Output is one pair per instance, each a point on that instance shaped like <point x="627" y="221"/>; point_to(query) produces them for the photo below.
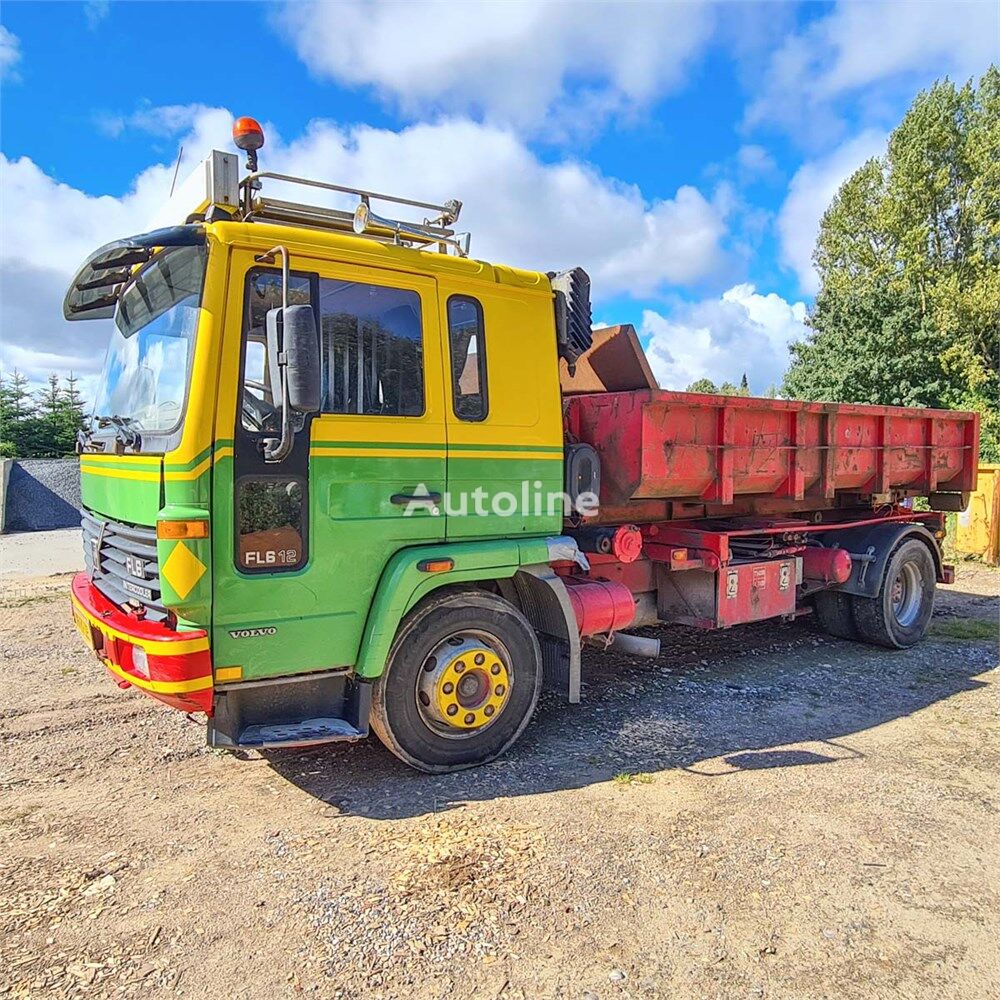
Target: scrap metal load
<point x="666" y="455"/>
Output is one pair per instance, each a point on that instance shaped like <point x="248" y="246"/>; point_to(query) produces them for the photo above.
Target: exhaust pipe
<point x="634" y="645"/>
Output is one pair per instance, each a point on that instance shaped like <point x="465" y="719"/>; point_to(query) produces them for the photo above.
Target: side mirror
<point x="293" y="357"/>
<point x="302" y="358"/>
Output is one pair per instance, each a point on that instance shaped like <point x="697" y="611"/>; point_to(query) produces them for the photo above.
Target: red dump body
<point x="676" y="454"/>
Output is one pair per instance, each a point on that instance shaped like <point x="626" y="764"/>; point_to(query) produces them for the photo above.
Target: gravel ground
<point x="758" y="813"/>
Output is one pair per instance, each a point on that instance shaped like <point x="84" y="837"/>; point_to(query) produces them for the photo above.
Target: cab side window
<point x="372" y="347"/>
<point x="271" y="515"/>
<point x="467" y="349"/>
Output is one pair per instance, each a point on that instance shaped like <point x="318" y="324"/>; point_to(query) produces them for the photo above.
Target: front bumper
<point x="178" y="667"/>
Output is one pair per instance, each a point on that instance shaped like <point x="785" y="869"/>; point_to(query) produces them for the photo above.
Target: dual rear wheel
<point x="898" y="615"/>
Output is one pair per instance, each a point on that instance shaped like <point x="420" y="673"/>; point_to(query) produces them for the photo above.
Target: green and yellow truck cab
<point x="289" y="393"/>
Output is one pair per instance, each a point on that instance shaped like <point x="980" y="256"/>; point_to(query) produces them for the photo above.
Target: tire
<point x="898" y="615"/>
<point x="483" y="644"/>
<point x="835" y="614"/>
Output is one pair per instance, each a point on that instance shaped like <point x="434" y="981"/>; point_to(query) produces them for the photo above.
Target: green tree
<point x="74" y="397"/>
<point x="875" y="347"/>
<point x="703" y="385"/>
<point x="909" y="260"/>
<point x="16" y="408"/>
<point x="43" y="425"/>
<point x="726" y="389"/>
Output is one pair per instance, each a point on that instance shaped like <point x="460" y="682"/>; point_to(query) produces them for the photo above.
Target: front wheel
<point x="898" y="615"/>
<point x="461" y="683"/>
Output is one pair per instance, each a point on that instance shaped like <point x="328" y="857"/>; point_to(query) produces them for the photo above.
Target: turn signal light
<point x="436" y="565"/>
<point x="181" y="529"/>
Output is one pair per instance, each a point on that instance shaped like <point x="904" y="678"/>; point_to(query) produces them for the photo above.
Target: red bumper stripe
<point x="178" y="667"/>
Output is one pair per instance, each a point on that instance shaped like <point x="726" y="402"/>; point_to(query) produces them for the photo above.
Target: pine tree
<point x="16" y="409"/>
<point x="43" y="425"/>
<point x="74" y="397"/>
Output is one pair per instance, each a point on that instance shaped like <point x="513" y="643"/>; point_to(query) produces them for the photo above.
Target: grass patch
<point x="965" y="628"/>
<point x="626" y="779"/>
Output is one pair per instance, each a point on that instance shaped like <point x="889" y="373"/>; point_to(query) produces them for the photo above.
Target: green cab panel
<point x="405" y="584"/>
<point x="312" y="618"/>
<point x="122" y="487"/>
<point x="516" y="485"/>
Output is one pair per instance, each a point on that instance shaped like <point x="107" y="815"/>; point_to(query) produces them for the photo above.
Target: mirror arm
<point x="277" y="449"/>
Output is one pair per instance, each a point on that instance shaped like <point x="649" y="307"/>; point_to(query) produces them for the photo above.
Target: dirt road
<point x="758" y="814"/>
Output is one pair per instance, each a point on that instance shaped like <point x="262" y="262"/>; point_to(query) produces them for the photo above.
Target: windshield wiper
<point x="123" y="429"/>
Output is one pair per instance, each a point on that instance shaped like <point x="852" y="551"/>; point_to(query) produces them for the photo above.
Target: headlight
<point x="140" y="662"/>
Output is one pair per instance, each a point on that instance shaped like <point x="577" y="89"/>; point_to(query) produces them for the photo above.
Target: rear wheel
<point x="462" y="682"/>
<point x="834" y="614"/>
<point x="898" y="615"/>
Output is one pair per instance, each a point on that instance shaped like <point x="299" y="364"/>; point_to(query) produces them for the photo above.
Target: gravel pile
<point x="43" y="494"/>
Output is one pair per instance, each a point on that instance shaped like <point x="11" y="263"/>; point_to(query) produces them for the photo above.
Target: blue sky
<point x="683" y="153"/>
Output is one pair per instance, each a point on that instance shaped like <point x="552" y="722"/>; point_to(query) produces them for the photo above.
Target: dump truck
<point x="340" y="474"/>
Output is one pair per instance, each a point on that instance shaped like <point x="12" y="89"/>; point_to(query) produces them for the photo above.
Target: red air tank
<point x="600" y="605"/>
<point x="826" y="565"/>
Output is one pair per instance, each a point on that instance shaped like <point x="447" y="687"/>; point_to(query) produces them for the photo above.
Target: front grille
<point x="126" y="567"/>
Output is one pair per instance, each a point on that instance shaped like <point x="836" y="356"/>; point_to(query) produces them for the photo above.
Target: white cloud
<point x="721" y="339"/>
<point x="858" y="49"/>
<point x="513" y="62"/>
<point x="96" y="11"/>
<point x="809" y="195"/>
<point x="521" y="211"/>
<point x="755" y="162"/>
<point x="53" y="230"/>
<point x="10" y="55"/>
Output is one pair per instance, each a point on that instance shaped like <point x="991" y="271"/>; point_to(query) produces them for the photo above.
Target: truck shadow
<point x="714" y="704"/>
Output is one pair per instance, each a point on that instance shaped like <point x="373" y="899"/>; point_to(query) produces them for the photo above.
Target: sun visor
<point x="93" y="292"/>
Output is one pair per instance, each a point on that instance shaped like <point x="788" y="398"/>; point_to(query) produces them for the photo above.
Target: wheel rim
<point x="464" y="684"/>
<point x="907" y="594"/>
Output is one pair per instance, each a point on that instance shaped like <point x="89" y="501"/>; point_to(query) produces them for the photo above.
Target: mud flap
<point x="542" y="598"/>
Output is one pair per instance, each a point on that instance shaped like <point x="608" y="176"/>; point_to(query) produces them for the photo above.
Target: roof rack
<point x="433" y="231"/>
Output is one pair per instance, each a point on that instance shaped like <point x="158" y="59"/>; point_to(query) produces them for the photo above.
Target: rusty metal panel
<point x="737" y="593"/>
<point x="751" y="592"/>
<point x="660" y="445"/>
<point x="614" y="362"/>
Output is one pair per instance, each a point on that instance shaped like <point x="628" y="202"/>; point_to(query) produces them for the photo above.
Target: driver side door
<point x="308" y="537"/>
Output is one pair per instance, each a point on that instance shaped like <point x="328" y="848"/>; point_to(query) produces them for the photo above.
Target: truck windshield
<point x="144" y="383"/>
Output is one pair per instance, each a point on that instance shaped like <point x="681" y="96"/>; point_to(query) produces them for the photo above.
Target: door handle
<point x="430" y="500"/>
